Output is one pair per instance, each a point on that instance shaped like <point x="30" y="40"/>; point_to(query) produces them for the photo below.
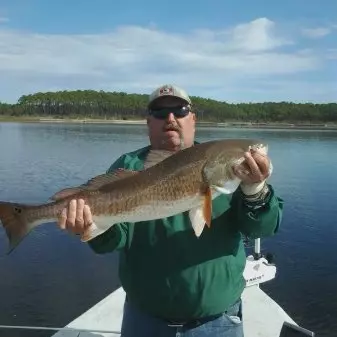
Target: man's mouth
<point x="171" y="128"/>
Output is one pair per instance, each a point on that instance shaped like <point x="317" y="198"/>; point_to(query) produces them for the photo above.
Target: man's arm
<point x="260" y="217"/>
<point x="256" y="210"/>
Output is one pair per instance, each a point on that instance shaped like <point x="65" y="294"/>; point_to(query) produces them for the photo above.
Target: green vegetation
<point x="91" y="104"/>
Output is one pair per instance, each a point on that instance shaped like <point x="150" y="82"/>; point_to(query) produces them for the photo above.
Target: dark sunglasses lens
<point x="163" y="113"/>
<point x="160" y="113"/>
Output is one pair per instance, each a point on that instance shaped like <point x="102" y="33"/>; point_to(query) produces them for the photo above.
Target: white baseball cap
<point x="169" y="90"/>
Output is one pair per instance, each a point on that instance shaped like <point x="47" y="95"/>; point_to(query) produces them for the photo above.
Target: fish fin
<point x="228" y="187"/>
<point x="156" y="156"/>
<point x="106" y="178"/>
<point x="201" y="215"/>
<point x="14" y="221"/>
<point x="66" y="192"/>
<point x="124" y="173"/>
<point x="197" y="219"/>
<point x="207" y="209"/>
<point x="91" y="232"/>
<point x="94" y="183"/>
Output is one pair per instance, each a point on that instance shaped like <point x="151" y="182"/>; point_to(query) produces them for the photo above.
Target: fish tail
<point x="13" y="217"/>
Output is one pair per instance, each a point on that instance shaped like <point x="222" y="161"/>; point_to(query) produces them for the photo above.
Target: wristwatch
<point x="259" y="196"/>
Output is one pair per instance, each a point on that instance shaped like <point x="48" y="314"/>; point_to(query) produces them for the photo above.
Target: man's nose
<point x="170" y="117"/>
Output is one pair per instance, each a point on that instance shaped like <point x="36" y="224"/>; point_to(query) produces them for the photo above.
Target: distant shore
<point x="228" y="124"/>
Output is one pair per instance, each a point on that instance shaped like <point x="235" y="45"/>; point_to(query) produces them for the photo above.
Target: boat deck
<point x="263" y="317"/>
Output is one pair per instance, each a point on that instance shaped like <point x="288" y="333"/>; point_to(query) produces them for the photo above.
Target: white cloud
<point x="315" y="33"/>
<point x="257" y="35"/>
<point x="3" y="19"/>
<point x="136" y="59"/>
<point x="332" y="54"/>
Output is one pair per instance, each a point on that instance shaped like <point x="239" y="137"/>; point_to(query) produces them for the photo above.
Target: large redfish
<point x="188" y="180"/>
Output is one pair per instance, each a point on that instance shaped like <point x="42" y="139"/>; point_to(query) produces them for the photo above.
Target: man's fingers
<point x="79" y="221"/>
<point x="63" y="218"/>
<point x="76" y="217"/>
<point x="254" y="169"/>
<point x="262" y="161"/>
<point x="71" y="213"/>
<point x="87" y="216"/>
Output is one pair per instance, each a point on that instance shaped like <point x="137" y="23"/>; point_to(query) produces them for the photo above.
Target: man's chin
<point x="172" y="142"/>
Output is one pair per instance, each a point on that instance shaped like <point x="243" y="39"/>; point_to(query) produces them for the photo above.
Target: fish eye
<point x="17" y="210"/>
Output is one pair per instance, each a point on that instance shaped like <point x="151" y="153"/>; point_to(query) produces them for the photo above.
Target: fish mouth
<point x="262" y="148"/>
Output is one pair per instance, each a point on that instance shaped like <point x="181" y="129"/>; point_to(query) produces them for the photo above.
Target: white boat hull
<point x="262" y="316"/>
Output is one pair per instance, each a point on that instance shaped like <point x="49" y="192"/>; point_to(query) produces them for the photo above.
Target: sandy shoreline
<point x="250" y="125"/>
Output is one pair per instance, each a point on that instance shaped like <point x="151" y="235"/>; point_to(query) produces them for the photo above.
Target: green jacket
<point x="169" y="272"/>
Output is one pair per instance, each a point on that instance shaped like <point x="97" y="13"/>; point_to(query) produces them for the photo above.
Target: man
<point x="175" y="283"/>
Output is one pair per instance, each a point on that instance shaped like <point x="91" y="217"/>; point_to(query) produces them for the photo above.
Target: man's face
<point x="169" y="132"/>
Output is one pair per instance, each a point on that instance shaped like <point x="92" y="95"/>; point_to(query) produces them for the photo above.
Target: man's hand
<point x="255" y="169"/>
<point x="253" y="172"/>
<point x="76" y="217"/>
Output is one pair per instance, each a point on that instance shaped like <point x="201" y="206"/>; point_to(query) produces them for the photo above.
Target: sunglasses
<point x="162" y="113"/>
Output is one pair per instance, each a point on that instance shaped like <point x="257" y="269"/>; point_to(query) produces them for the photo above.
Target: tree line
<point x="120" y="105"/>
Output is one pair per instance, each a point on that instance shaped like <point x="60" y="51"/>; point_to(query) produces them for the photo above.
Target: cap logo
<point x="166" y="91"/>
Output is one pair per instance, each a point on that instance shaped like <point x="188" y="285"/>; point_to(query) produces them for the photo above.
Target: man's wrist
<point x="252" y="189"/>
<point x="255" y="193"/>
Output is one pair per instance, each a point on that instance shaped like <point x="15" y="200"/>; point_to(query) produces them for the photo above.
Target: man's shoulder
<point x="138" y="153"/>
<point x="132" y="160"/>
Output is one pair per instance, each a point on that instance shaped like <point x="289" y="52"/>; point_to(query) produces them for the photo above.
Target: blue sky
<point x="235" y="51"/>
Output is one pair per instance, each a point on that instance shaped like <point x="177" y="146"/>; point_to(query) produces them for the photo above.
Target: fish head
<point x="224" y="156"/>
<point x="259" y="146"/>
<point x="231" y="151"/>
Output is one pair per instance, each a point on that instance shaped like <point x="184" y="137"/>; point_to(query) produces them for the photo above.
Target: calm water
<point x="52" y="277"/>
